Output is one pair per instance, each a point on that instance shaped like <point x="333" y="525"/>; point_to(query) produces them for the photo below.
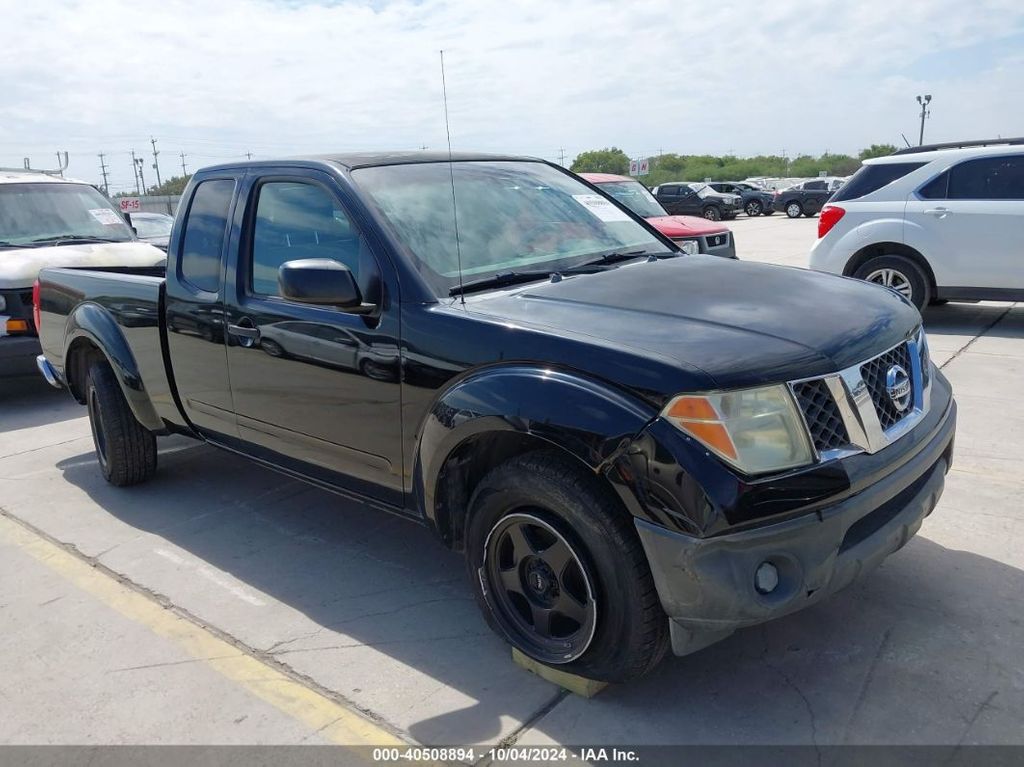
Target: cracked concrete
<point x="370" y="610"/>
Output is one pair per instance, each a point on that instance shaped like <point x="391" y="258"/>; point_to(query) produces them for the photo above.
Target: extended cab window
<point x="205" y="230"/>
<point x="811" y="186"/>
<point x="988" y="178"/>
<point x="296" y="220"/>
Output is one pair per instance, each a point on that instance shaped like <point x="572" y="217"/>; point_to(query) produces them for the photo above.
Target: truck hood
<point x="741" y="323"/>
<point x="686" y="226"/>
<point x="19" y="267"/>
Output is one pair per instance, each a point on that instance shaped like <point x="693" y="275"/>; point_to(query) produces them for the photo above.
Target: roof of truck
<point x="34" y="177"/>
<point x="352" y="160"/>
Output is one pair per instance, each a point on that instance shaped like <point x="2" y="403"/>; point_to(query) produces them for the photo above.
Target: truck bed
<point x="77" y="303"/>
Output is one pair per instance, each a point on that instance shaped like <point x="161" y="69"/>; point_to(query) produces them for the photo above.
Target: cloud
<point x="218" y="79"/>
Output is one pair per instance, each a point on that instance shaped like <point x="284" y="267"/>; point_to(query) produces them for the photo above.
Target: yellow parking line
<point x="330" y="719"/>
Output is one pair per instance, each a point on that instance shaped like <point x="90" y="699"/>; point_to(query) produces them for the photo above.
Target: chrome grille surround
<point x="869" y="424"/>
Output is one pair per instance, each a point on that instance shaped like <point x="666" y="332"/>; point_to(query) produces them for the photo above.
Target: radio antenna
<point x="451" y="176"/>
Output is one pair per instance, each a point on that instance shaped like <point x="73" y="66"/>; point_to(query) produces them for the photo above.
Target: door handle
<point x="245" y="330"/>
<point x="937" y="212"/>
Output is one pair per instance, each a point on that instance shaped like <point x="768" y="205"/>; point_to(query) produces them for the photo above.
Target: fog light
<point x="766" y="578"/>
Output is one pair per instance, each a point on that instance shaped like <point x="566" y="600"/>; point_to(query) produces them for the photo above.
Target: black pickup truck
<point x="633" y="447"/>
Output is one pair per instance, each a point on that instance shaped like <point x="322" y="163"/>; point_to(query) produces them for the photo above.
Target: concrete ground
<point x="223" y="603"/>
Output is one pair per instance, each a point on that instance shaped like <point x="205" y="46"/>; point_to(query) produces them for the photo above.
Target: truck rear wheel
<point x="126" y="451"/>
<point x="559" y="571"/>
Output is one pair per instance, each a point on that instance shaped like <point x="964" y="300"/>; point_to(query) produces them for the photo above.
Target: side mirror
<point x="322" y="281"/>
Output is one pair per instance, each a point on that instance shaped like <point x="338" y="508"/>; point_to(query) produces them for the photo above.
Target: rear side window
<point x="936" y="188"/>
<point x="988" y="178"/>
<point x="813" y="186"/>
<point x="205" y="230"/>
<point x="871" y="178"/>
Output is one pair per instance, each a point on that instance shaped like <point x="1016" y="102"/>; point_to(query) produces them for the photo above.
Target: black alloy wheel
<point x="543" y="591"/>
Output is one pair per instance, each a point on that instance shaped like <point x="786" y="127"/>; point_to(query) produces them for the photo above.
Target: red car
<point x="707" y="236"/>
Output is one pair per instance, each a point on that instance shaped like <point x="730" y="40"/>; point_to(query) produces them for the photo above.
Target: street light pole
<point x="925" y="112"/>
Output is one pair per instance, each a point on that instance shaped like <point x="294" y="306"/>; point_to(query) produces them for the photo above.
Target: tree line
<point x="692" y="167"/>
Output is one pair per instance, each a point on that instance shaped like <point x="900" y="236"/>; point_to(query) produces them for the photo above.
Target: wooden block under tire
<point x="578" y="685"/>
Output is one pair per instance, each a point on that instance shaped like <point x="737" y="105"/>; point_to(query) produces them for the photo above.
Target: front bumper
<point x="18" y="356"/>
<point x="707" y="586"/>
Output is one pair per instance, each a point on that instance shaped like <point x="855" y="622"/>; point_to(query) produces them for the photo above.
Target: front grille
<point x="822" y="415"/>
<point x="874" y="372"/>
<point x="717" y="240"/>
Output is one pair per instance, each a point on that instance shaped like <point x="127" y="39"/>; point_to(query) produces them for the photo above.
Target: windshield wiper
<point x="499" y="281"/>
<point x="70" y="239"/>
<point x="625" y="255"/>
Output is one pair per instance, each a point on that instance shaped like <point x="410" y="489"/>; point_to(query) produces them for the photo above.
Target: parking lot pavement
<point x="369" y="610"/>
<point x="774" y="239"/>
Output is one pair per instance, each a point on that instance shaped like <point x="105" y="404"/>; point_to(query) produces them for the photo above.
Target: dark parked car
<point x="634" y="448"/>
<point x="696" y="199"/>
<point x="754" y="200"/>
<point x="806" y="198"/>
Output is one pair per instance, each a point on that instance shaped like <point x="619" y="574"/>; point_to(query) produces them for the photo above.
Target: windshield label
<point x="106" y="216"/>
<point x="600" y="207"/>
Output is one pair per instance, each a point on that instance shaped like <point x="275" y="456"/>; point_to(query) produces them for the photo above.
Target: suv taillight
<point x="36" y="314"/>
<point x="828" y="218"/>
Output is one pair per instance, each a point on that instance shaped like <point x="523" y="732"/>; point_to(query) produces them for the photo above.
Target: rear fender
<point x="92" y="323"/>
<point x="586" y="418"/>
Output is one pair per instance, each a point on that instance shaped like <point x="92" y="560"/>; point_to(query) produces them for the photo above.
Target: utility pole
<point x="142" y="176"/>
<point x="184" y="173"/>
<point x="156" y="163"/>
<point x="561" y="157"/>
<point x="103" y="170"/>
<point x="925" y="112"/>
<point x="135" y="170"/>
<point x="248" y="155"/>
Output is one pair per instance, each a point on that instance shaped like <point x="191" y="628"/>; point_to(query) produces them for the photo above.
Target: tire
<point x="899" y="273"/>
<point x="794" y="209"/>
<point x="768" y="212"/>
<point x="753" y="208"/>
<point x="619" y="631"/>
<point x="712" y="213"/>
<point x="126" y="451"/>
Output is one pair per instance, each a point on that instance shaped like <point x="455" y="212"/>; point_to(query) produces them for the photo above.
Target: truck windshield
<point x="512" y="216"/>
<point x="36" y="213"/>
<point x="635" y="197"/>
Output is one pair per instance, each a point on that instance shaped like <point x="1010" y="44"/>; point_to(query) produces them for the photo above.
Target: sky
<point x="216" y="80"/>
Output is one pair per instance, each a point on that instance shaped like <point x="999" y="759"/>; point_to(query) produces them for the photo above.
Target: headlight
<point x="690" y="247"/>
<point x="3" y="303"/>
<point x="755" y="430"/>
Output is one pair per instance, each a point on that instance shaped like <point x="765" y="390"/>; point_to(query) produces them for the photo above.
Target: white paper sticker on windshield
<point x="601" y="207"/>
<point x="106" y="216"/>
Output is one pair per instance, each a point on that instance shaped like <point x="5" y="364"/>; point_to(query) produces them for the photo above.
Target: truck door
<point x="195" y="308"/>
<point x="815" y="194"/>
<point x="315" y="389"/>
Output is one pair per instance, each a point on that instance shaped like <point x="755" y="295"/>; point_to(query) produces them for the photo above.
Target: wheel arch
<point x="91" y="334"/>
<point x="862" y="256"/>
<point x="487" y="419"/>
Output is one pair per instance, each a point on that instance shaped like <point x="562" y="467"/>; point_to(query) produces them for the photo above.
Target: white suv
<point x="936" y="223"/>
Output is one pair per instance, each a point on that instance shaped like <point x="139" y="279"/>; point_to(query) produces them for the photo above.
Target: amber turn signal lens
<point x="17" y="326"/>
<point x="693" y="407"/>
<point x="698" y="418"/>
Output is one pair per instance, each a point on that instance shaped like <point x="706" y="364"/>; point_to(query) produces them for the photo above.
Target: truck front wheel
<point x="125" y="450"/>
<point x="559" y="572"/>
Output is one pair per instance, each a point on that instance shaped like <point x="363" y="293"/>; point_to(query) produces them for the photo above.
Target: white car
<point x="51" y="221"/>
<point x="935" y="223"/>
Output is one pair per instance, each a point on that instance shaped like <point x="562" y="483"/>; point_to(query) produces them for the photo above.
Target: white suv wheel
<point x="894" y="279"/>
